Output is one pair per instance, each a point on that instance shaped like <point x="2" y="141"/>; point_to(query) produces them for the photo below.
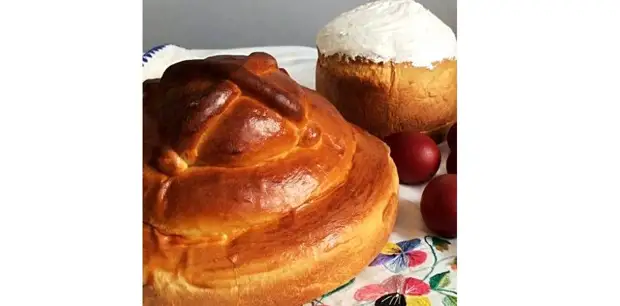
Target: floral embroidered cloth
<point x="419" y="271"/>
<point x="415" y="268"/>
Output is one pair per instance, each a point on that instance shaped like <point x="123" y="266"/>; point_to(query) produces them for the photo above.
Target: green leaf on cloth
<point x="449" y="300"/>
<point x="440" y="280"/>
<point x="440" y="244"/>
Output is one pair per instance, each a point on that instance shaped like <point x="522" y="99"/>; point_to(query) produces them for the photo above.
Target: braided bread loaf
<point x="256" y="190"/>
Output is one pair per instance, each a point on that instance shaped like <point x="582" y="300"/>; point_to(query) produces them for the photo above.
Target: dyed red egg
<point x="416" y="156"/>
<point x="438" y="205"/>
<point x="451" y="137"/>
<point x="451" y="163"/>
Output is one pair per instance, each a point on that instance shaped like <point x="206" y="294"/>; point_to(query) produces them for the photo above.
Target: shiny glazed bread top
<point x="232" y="142"/>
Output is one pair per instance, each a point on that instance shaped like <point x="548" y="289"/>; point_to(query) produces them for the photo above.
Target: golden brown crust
<point x="256" y="190"/>
<point x="386" y="98"/>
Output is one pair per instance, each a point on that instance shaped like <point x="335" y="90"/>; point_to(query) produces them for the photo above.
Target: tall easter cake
<point x="390" y="66"/>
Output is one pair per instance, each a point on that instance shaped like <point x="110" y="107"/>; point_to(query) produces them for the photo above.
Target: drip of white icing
<point x="389" y="30"/>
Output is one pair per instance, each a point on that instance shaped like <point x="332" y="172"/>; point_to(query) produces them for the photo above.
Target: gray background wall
<point x="217" y="24"/>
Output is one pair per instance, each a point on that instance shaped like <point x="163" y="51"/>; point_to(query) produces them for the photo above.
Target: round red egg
<point x="416" y="156"/>
<point x="451" y="137"/>
<point x="438" y="205"/>
<point x="451" y="163"/>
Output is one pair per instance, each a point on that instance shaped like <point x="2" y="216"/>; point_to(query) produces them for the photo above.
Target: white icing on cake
<point x="389" y="30"/>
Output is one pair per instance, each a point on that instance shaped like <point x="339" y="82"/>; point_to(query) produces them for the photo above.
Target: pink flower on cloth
<point x="396" y="257"/>
<point x="397" y="290"/>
